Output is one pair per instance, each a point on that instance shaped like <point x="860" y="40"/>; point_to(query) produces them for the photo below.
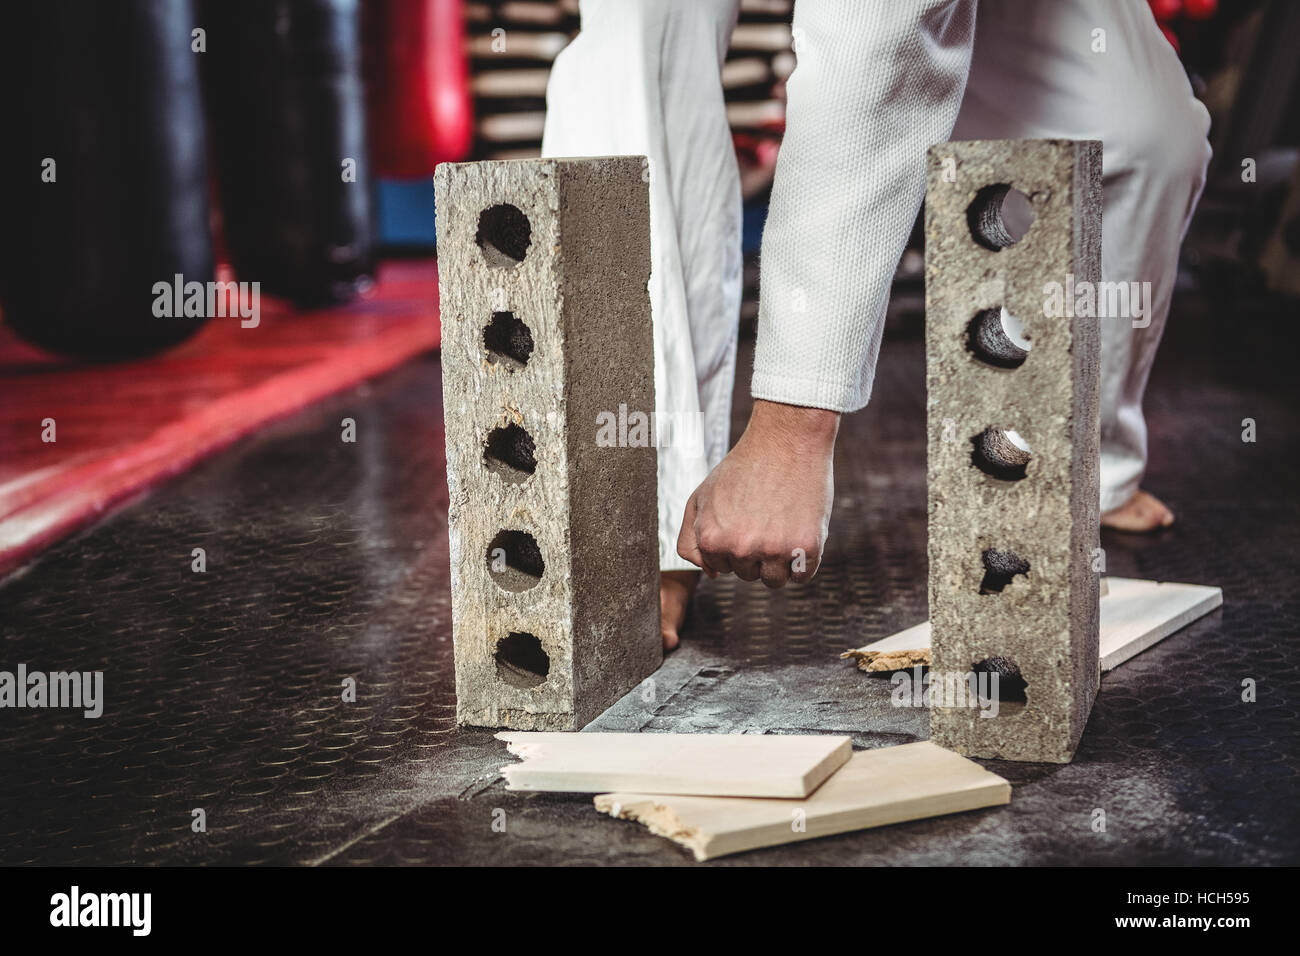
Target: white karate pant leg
<point x="1034" y="74"/>
<point x="643" y="77"/>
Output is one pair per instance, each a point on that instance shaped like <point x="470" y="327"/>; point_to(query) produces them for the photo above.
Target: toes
<point x="1142" y="512"/>
<point x="1152" y="511"/>
<point x="675" y="588"/>
<point x="1162" y="516"/>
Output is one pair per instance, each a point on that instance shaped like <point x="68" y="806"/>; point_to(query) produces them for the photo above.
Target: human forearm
<point x="876" y="84"/>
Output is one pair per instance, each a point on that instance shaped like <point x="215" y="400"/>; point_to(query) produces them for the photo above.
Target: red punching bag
<point x="418" y="85"/>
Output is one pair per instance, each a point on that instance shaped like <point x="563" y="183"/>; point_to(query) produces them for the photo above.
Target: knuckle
<point x="711" y="540"/>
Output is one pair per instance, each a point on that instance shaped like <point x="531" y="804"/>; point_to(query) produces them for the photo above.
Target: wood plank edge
<point x="658" y="816"/>
<point x="1166" y="628"/>
<point x="881" y="656"/>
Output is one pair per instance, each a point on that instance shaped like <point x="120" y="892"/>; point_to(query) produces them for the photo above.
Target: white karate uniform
<point x="877" y="83"/>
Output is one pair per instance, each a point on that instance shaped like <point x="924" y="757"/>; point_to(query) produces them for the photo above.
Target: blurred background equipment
<point x="109" y="195"/>
<point x="103" y="178"/>
<point x="1246" y="234"/>
<point x="418" y="97"/>
<point x="287" y="106"/>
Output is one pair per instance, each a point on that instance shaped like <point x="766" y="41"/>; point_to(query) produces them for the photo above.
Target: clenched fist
<point x="765" y="510"/>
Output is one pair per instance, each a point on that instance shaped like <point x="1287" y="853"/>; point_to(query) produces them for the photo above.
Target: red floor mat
<point x="122" y="428"/>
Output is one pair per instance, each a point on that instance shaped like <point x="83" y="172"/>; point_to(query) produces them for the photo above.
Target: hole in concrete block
<point x="515" y="561"/>
<point x="999" y="568"/>
<point x="1011" y="684"/>
<point x="1001" y="453"/>
<point x="508" y="341"/>
<point x="521" y="662"/>
<point x="999" y="216"/>
<point x="997" y="337"/>
<point x="510" y="453"/>
<point x="504" y="235"/>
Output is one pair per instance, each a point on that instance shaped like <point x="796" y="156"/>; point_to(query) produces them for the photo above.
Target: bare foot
<point x="1142" y="512"/>
<point x="675" y="590"/>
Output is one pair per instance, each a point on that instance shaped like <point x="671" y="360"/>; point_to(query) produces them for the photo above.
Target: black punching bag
<point x="103" y="182"/>
<point x="284" y="88"/>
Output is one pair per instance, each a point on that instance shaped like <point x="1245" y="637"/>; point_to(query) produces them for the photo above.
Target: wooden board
<point x="1135" y="614"/>
<point x="738" y="765"/>
<point x="908" y="648"/>
<point x="875" y="788"/>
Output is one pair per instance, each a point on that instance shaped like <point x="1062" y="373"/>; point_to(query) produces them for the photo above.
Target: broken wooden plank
<point x="875" y="788"/>
<point x="908" y="648"/>
<point x="1135" y="614"/>
<point x="735" y="765"/>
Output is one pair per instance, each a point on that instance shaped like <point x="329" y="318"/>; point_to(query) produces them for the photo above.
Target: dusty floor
<point x="328" y="560"/>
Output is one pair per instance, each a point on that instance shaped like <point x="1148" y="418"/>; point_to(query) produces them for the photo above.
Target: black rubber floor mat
<point x="326" y="567"/>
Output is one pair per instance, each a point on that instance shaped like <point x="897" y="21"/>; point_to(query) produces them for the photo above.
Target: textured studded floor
<point x="328" y="560"/>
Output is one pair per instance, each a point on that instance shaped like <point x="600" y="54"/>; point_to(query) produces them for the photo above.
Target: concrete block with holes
<point x="1012" y="390"/>
<point x="543" y="268"/>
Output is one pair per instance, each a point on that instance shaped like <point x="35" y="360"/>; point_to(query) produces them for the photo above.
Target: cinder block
<point x="1012" y="534"/>
<point x="543" y="270"/>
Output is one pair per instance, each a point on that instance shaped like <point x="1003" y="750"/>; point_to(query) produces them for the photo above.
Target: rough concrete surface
<point x="543" y="266"/>
<point x="987" y="519"/>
